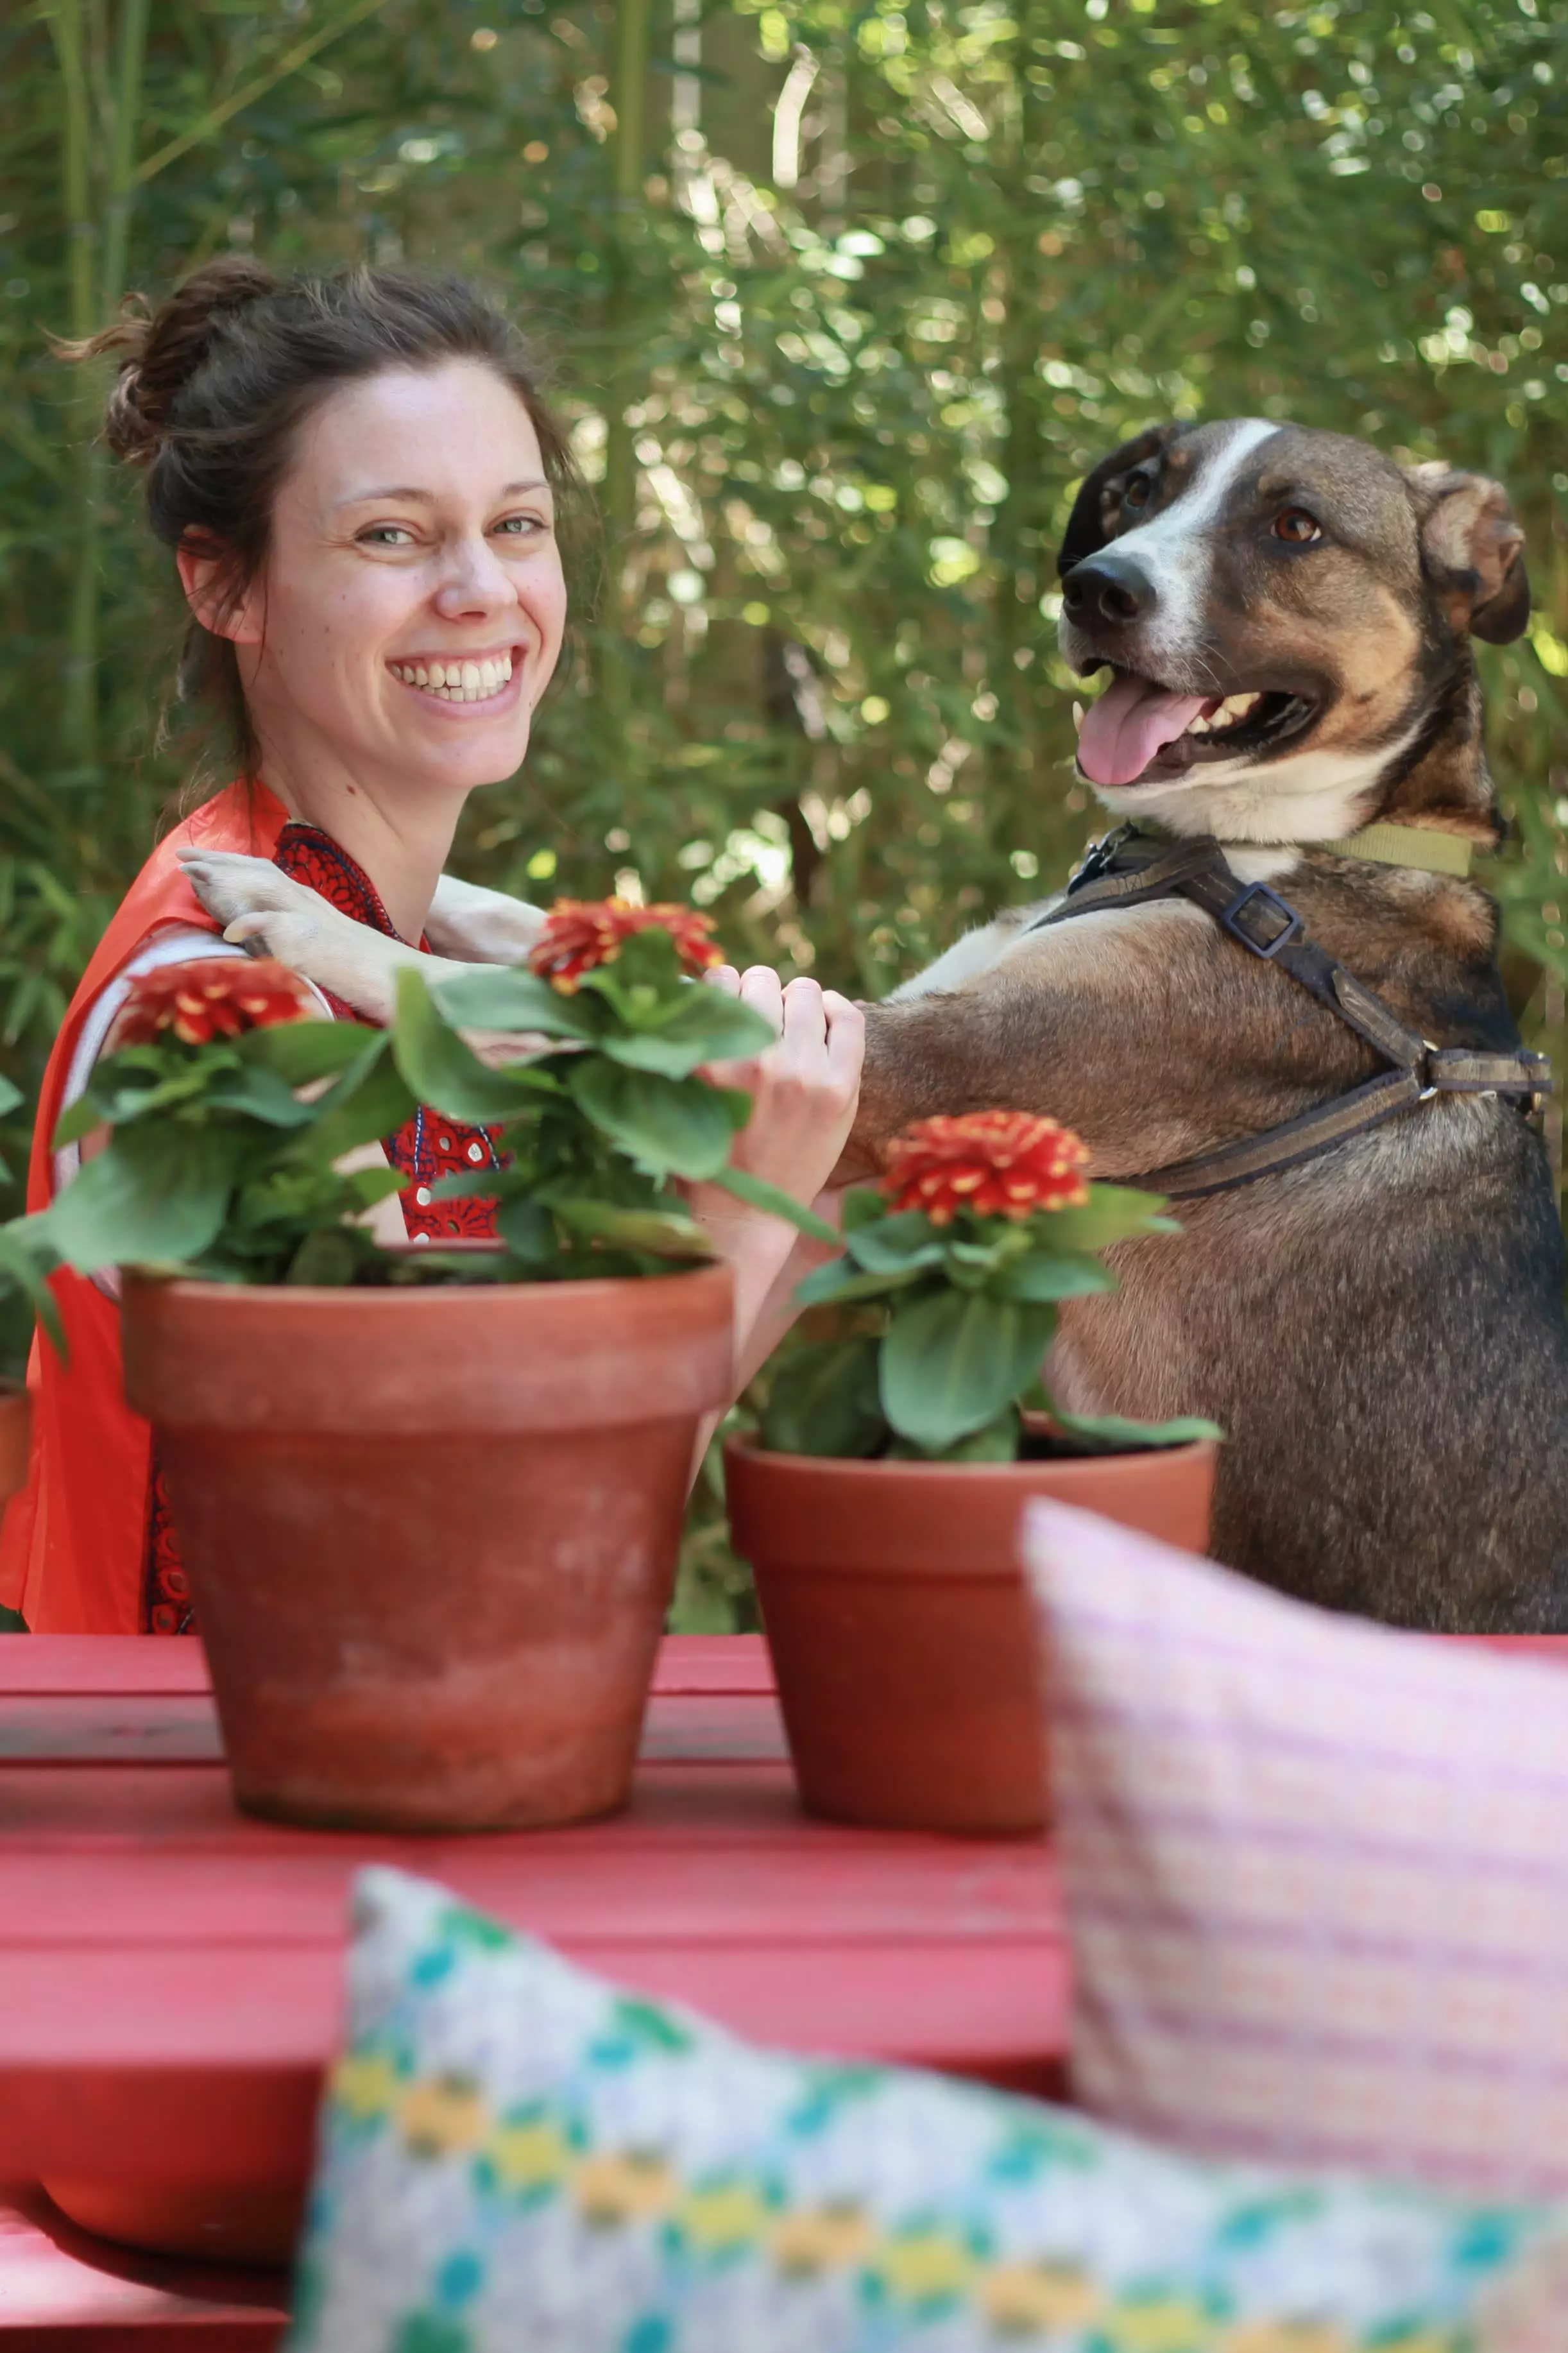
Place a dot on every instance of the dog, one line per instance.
(1286, 615)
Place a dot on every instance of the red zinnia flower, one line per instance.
(208, 998)
(580, 934)
(1000, 1164)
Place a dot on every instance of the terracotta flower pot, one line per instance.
(431, 1534)
(16, 1437)
(896, 1614)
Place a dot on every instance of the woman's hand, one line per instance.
(804, 1092)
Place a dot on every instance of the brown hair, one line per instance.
(215, 384)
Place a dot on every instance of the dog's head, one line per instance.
(1284, 614)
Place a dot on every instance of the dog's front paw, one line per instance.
(259, 907)
(267, 914)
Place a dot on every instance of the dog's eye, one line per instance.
(1298, 526)
(1139, 491)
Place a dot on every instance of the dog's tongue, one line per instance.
(1132, 721)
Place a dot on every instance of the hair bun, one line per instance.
(161, 350)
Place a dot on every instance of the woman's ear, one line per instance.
(207, 578)
(1473, 549)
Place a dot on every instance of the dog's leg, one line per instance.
(267, 914)
(480, 926)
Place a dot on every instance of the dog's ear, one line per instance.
(1474, 550)
(1094, 509)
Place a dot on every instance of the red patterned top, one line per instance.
(427, 1147)
(430, 1146)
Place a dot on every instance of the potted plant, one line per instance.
(879, 1508)
(429, 1501)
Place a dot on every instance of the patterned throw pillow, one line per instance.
(1315, 1870)
(519, 2159)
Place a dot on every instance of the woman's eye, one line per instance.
(386, 534)
(1139, 491)
(1298, 526)
(520, 526)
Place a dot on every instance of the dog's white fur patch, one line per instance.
(1177, 552)
(1310, 796)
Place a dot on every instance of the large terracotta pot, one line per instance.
(431, 1534)
(896, 1616)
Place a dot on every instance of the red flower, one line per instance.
(580, 934)
(208, 998)
(1000, 1164)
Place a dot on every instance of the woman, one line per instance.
(359, 480)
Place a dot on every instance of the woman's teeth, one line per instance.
(464, 681)
(1231, 712)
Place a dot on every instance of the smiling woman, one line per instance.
(359, 482)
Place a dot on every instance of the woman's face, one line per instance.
(411, 609)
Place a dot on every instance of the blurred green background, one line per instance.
(842, 301)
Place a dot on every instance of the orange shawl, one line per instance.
(73, 1548)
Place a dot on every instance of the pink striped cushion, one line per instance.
(1316, 1871)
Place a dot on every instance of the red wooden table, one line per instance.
(170, 1971)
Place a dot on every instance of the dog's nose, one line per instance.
(1108, 587)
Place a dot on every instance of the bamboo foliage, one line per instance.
(845, 302)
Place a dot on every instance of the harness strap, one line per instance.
(1128, 869)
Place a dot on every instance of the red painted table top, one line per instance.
(166, 1959)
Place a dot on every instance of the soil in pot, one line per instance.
(899, 1627)
(431, 1533)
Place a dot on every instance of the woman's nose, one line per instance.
(474, 581)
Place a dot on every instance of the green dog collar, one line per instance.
(1405, 845)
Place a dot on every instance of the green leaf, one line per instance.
(11, 1097)
(156, 1195)
(890, 1244)
(1113, 1433)
(866, 1206)
(840, 1281)
(997, 1442)
(1040, 1278)
(28, 1259)
(760, 1195)
(951, 1361)
(304, 1052)
(370, 1101)
(723, 1027)
(495, 997)
(528, 1228)
(671, 1127)
(443, 1072)
(661, 1233)
(824, 1401)
(1112, 1214)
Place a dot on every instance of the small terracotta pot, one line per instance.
(16, 1437)
(431, 1534)
(899, 1626)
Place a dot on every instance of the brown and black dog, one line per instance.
(1286, 616)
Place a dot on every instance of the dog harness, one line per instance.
(1129, 869)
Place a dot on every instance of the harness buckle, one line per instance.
(1291, 927)
(1098, 858)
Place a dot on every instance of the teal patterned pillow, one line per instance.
(519, 2159)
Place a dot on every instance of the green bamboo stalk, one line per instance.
(79, 703)
(281, 67)
(627, 91)
(627, 95)
(122, 174)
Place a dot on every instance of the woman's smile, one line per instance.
(488, 683)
